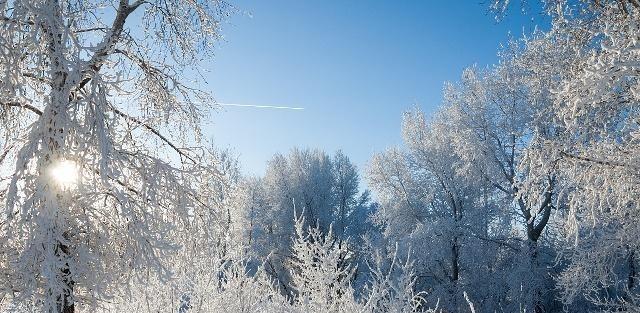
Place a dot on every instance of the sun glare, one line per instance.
(64, 173)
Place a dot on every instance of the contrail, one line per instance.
(259, 106)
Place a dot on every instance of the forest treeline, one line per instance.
(518, 194)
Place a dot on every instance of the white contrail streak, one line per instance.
(259, 106)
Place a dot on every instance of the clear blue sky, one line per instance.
(354, 66)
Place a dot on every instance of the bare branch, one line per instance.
(22, 105)
(597, 161)
(155, 132)
(109, 42)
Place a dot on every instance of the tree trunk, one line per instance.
(455, 260)
(631, 279)
(66, 303)
(455, 272)
(53, 154)
(535, 280)
(55, 118)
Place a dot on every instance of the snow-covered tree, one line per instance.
(302, 179)
(392, 284)
(492, 112)
(322, 277)
(584, 10)
(585, 133)
(321, 281)
(103, 170)
(321, 273)
(595, 108)
(325, 188)
(206, 283)
(345, 190)
(431, 207)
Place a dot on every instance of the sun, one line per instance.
(64, 173)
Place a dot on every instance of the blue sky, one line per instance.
(354, 66)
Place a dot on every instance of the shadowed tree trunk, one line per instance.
(534, 231)
(67, 303)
